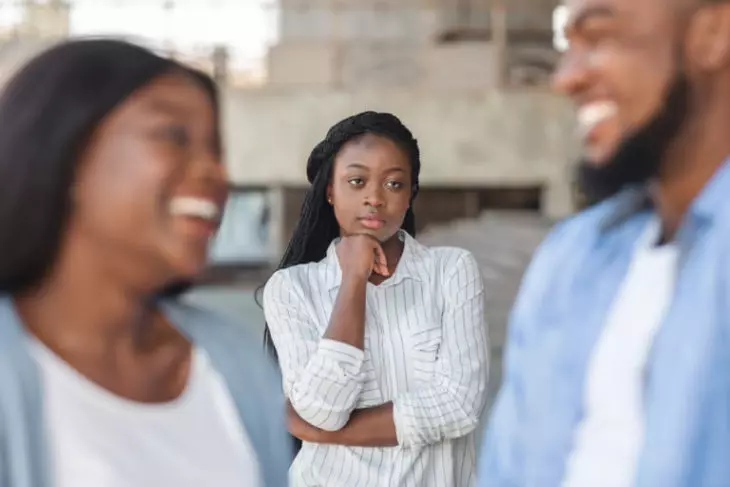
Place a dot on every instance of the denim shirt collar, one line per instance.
(711, 201)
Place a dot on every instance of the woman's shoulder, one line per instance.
(440, 264)
(449, 253)
(300, 275)
(448, 258)
(12, 334)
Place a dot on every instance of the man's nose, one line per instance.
(572, 74)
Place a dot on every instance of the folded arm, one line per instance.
(450, 406)
(321, 375)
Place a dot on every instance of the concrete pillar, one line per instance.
(500, 40)
(220, 64)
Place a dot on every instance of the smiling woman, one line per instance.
(111, 187)
(381, 340)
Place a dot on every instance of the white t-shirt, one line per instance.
(98, 439)
(609, 439)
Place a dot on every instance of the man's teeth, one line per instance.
(595, 113)
(195, 207)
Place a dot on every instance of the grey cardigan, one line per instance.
(251, 380)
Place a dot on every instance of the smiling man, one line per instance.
(617, 369)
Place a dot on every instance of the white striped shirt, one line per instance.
(425, 350)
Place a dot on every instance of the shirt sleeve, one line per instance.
(322, 378)
(450, 407)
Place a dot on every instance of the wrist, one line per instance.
(354, 277)
(325, 437)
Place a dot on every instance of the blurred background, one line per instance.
(470, 78)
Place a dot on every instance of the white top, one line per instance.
(98, 439)
(425, 350)
(609, 439)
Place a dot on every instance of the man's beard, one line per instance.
(639, 156)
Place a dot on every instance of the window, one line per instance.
(465, 20)
(244, 236)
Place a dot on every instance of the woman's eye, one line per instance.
(355, 181)
(177, 135)
(394, 184)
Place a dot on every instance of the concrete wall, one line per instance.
(469, 138)
(490, 139)
(443, 67)
(362, 21)
(415, 21)
(400, 44)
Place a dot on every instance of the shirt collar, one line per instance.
(712, 200)
(408, 265)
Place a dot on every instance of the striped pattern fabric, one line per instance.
(426, 351)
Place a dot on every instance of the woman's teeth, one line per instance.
(195, 207)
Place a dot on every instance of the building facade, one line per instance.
(469, 77)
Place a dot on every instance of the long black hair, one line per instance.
(317, 226)
(48, 112)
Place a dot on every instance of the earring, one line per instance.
(329, 200)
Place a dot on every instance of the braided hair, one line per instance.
(317, 226)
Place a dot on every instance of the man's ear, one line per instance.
(708, 38)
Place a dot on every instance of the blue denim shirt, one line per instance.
(557, 318)
(253, 383)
